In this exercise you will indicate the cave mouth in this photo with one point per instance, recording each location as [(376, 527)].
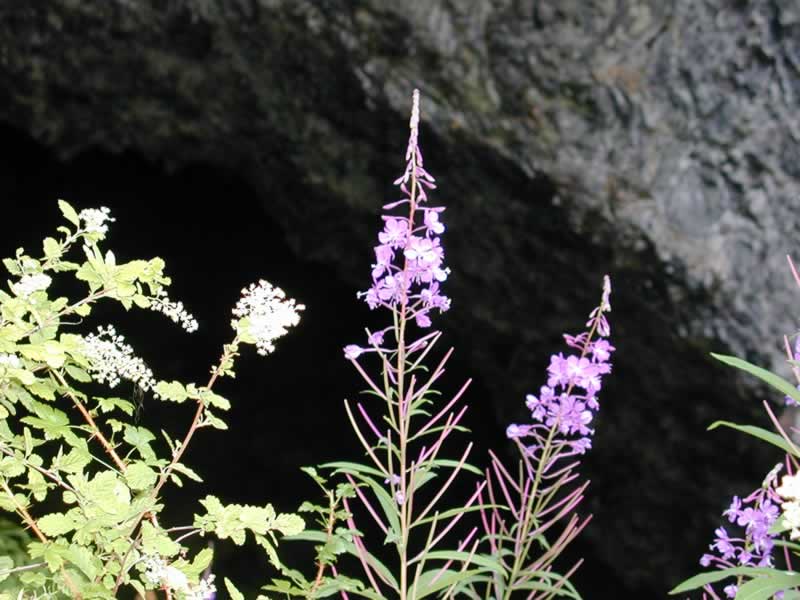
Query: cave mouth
[(217, 234)]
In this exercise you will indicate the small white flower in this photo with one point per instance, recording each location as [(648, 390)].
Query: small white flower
[(268, 314), (112, 360), (95, 219), (791, 518), (790, 487), (29, 284), (154, 567), (174, 311), (203, 590), (174, 579), (9, 361)]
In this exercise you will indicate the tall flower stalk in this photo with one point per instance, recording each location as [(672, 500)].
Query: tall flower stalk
[(403, 445), (525, 504)]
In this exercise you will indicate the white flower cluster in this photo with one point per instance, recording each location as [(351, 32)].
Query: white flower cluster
[(95, 219), (29, 284), (10, 361), (112, 360), (174, 310), (159, 573), (268, 312), (789, 490)]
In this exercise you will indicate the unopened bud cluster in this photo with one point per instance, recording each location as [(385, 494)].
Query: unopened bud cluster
[(175, 311)]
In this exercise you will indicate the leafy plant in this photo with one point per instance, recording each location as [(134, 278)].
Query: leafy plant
[(747, 563), (69, 446), (405, 424)]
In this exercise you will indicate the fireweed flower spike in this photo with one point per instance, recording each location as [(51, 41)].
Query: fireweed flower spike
[(538, 495), (751, 542), (403, 444)]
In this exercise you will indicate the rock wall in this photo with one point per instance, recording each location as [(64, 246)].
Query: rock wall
[(655, 141)]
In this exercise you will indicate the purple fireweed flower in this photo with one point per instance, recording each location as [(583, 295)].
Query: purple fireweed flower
[(352, 352), (753, 546), (568, 402), (409, 258)]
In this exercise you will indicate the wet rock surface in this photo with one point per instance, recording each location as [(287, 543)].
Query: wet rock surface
[(650, 140)]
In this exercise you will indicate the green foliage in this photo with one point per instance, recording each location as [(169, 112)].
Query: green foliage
[(100, 474), (763, 583)]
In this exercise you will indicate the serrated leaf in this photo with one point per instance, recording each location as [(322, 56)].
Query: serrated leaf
[(190, 473), (52, 249), (52, 421), (289, 524), (84, 559), (55, 524), (83, 310), (234, 593), (139, 476), (78, 374), (171, 390), (106, 405), (37, 485), (215, 400), (200, 562), (214, 421), (140, 438), (69, 213), (155, 541)]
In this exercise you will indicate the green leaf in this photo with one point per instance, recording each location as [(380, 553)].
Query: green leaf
[(702, 579), (155, 541), (234, 593), (200, 562), (489, 563), (55, 524), (172, 390), (84, 559), (139, 476), (53, 422), (779, 383), (190, 473), (435, 580), (212, 399), (69, 213), (106, 405), (288, 524), (140, 438), (52, 249), (353, 469), (763, 588), (377, 565), (78, 374), (213, 420), (6, 564), (758, 432), (37, 485)]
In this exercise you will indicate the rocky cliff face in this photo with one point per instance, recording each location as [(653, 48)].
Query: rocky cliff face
[(656, 141)]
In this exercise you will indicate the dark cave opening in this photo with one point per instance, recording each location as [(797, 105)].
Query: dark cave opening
[(216, 237)]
